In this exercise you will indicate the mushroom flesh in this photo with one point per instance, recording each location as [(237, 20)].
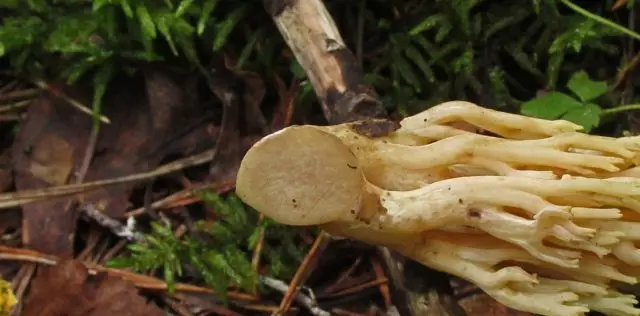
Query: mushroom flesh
[(540, 216)]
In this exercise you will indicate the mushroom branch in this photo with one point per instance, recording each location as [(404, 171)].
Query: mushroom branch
[(338, 81), (541, 217)]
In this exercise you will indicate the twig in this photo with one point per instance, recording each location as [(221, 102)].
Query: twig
[(383, 287), (90, 245), (625, 71), (301, 274), (19, 94), (10, 117), (113, 251), (9, 200), (14, 106), (113, 225), (43, 85), (79, 178), (337, 285), (8, 86), (304, 300), (151, 283), (183, 198), (359, 287), (621, 108), (20, 284), (176, 306), (600, 19), (312, 35), (139, 280), (88, 153)]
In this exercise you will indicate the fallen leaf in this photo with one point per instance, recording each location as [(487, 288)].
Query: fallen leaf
[(151, 116), (67, 289), (241, 93), (52, 159)]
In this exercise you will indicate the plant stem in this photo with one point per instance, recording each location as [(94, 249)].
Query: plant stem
[(621, 108), (600, 19)]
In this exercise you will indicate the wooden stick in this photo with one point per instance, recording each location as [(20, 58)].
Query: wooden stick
[(332, 69)]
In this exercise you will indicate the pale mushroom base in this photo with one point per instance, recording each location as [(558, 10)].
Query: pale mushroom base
[(541, 217)]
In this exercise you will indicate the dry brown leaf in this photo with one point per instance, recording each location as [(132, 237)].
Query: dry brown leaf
[(67, 289), (52, 160), (150, 116), (241, 94)]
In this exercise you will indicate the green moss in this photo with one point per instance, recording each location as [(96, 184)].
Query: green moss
[(219, 252)]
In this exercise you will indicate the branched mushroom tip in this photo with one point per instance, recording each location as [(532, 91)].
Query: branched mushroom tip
[(540, 216)]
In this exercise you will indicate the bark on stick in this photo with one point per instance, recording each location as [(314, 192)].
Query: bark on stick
[(331, 67)]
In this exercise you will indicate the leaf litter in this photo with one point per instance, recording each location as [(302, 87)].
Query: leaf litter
[(50, 146), (77, 292)]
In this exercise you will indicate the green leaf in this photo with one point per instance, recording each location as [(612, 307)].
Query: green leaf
[(146, 22), (121, 262), (163, 27), (523, 60), (182, 8), (100, 82), (207, 9), (428, 23), (498, 86), (405, 70), (248, 48), (443, 31), (126, 7), (585, 88), (70, 34), (550, 106), (297, 70), (139, 248), (464, 62), (76, 70), (553, 68), (414, 54), (588, 116), (12, 4), (225, 28), (162, 230), (169, 277), (98, 4)]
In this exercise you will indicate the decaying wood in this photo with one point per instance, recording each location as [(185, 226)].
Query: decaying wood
[(310, 32), (332, 69)]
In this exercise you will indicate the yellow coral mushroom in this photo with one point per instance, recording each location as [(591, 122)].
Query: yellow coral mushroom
[(539, 216), (7, 299)]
